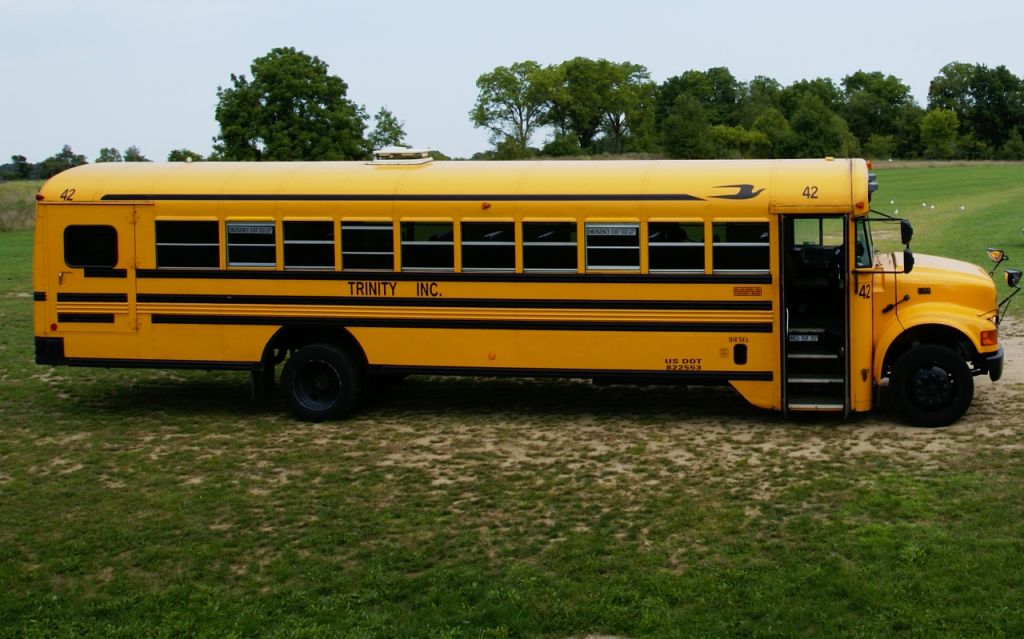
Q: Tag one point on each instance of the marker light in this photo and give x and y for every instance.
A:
(40, 197)
(989, 338)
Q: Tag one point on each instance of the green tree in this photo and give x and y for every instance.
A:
(824, 89)
(779, 136)
(757, 97)
(736, 142)
(873, 103)
(685, 131)
(58, 162)
(292, 109)
(717, 90)
(1014, 147)
(819, 131)
(387, 130)
(184, 155)
(939, 134)
(880, 147)
(133, 154)
(574, 103)
(625, 95)
(512, 102)
(988, 103)
(20, 169)
(109, 154)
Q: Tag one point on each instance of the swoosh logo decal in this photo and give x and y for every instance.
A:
(743, 192)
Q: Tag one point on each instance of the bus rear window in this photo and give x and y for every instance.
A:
(185, 244)
(90, 245)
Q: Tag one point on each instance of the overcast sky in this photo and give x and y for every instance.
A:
(115, 73)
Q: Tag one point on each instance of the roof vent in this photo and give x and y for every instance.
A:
(401, 155)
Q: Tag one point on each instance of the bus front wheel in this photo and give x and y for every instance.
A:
(320, 381)
(931, 385)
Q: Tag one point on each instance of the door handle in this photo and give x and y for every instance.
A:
(60, 278)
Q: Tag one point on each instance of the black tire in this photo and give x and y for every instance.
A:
(320, 382)
(931, 385)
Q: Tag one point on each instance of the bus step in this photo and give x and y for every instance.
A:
(815, 380)
(813, 355)
(808, 405)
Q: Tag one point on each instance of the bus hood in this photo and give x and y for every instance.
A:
(941, 279)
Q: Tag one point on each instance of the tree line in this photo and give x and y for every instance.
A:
(290, 107)
(597, 106)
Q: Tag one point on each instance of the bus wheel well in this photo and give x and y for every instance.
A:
(291, 338)
(929, 334)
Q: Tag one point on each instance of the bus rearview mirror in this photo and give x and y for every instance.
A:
(908, 261)
(906, 232)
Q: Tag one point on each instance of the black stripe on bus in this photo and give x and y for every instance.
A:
(681, 377)
(520, 325)
(159, 363)
(39, 296)
(85, 318)
(498, 278)
(311, 300)
(92, 297)
(400, 197)
(115, 273)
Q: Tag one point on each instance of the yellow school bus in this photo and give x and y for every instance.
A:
(757, 274)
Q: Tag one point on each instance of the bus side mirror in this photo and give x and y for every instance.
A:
(906, 232)
(1012, 277)
(908, 261)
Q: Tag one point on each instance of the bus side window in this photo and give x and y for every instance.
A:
(613, 246)
(675, 246)
(251, 244)
(308, 244)
(488, 246)
(367, 246)
(90, 245)
(743, 247)
(187, 244)
(549, 246)
(427, 246)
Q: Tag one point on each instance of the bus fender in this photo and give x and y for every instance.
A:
(947, 324)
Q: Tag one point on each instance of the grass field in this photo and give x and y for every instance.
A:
(154, 503)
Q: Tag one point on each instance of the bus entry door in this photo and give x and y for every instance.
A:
(92, 265)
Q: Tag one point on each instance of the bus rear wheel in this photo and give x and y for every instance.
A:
(931, 386)
(320, 381)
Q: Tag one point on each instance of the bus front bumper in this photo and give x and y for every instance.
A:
(993, 364)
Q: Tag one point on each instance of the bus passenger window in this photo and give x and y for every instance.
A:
(428, 246)
(549, 246)
(675, 246)
(183, 244)
(740, 246)
(613, 247)
(488, 246)
(251, 244)
(90, 245)
(308, 244)
(367, 246)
